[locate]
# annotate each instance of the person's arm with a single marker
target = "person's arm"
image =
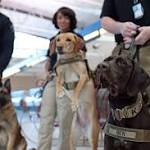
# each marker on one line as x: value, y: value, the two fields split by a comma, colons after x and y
x: 7, y: 45
x: 51, y: 60
x: 111, y: 25
x: 108, y: 17
x: 47, y: 65
x: 51, y: 55
x: 47, y: 69
x: 110, y: 22
x: 127, y: 29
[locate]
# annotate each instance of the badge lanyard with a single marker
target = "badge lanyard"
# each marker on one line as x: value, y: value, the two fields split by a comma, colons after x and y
x: 138, y: 9
x: 135, y: 1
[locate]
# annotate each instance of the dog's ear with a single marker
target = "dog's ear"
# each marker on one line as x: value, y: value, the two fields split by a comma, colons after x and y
x: 52, y: 46
x: 99, y: 80
x: 7, y: 85
x: 79, y: 43
x: 139, y: 81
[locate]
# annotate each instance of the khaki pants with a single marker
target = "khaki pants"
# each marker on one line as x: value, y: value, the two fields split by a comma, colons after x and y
x: 145, y: 63
x: 145, y: 58
x: 49, y: 108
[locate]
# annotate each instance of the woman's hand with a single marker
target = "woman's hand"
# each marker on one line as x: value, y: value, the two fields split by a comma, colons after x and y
x: 128, y: 29
x: 143, y: 36
x: 49, y: 76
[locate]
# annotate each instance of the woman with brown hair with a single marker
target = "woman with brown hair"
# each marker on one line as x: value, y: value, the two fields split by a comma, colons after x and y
x: 65, y: 20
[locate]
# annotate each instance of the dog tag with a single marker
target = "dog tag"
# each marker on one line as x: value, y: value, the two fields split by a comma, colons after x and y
x: 138, y: 11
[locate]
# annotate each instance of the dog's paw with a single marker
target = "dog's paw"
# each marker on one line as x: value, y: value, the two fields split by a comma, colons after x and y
x: 60, y: 93
x: 74, y: 106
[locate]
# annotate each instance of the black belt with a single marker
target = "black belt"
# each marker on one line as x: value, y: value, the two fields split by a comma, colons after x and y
x: 70, y: 85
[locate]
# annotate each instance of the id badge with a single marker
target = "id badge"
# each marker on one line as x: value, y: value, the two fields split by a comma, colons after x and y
x: 138, y: 11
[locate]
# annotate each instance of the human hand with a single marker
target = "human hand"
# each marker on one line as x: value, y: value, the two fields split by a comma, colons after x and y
x: 49, y: 76
x: 143, y: 36
x: 127, y: 41
x: 128, y: 29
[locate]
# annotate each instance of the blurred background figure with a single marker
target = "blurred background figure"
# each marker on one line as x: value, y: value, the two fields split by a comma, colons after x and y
x: 6, y: 42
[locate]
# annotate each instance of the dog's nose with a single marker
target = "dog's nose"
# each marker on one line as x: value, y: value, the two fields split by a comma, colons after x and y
x: 60, y: 49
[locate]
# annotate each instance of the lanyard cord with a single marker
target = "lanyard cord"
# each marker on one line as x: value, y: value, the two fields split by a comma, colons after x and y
x: 135, y: 1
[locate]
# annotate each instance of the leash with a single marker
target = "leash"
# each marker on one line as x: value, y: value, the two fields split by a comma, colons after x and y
x: 134, y: 49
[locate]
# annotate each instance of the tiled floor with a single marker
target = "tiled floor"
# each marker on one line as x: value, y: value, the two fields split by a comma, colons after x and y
x: 30, y: 123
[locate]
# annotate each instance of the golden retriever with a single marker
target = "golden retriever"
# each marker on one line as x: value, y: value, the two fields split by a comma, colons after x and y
x: 74, y: 81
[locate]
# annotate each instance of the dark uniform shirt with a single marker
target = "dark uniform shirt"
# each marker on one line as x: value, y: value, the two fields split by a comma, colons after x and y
x: 121, y: 10
x: 6, y: 41
x: 53, y: 57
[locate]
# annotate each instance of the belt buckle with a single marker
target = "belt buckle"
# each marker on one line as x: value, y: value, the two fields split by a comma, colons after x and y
x: 118, y: 114
x: 70, y: 86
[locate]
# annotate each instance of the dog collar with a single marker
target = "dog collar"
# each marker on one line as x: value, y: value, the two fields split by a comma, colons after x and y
x: 129, y: 111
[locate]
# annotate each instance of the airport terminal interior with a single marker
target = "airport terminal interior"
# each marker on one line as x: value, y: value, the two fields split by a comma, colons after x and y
x: 32, y: 20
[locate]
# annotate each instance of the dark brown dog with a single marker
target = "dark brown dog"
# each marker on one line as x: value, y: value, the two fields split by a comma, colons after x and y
x: 126, y: 81
x: 10, y: 130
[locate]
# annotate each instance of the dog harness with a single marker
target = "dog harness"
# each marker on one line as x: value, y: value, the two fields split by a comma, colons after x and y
x: 70, y: 85
x: 71, y: 58
x: 66, y: 60
x: 128, y: 111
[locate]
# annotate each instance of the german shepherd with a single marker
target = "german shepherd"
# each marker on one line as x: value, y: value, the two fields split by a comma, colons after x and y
x: 10, y: 130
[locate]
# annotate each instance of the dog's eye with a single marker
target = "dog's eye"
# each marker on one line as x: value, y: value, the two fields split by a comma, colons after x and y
x: 120, y: 61
x: 108, y: 58
x: 68, y: 40
x: 3, y: 91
